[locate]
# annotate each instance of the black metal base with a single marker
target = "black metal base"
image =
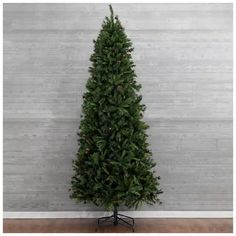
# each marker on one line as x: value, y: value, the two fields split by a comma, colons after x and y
x: 116, y: 219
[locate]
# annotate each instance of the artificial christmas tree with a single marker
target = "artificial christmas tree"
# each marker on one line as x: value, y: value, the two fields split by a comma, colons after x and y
x: 113, y: 166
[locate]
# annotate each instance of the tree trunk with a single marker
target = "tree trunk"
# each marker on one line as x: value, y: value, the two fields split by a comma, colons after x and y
x: 115, y: 216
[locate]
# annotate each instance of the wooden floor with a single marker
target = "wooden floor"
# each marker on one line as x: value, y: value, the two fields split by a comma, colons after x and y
x: 141, y: 226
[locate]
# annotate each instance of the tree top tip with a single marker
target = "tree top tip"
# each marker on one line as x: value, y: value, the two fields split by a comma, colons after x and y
x: 111, y: 10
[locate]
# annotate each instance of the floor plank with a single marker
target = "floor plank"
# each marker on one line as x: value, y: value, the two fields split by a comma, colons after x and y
x: 141, y: 226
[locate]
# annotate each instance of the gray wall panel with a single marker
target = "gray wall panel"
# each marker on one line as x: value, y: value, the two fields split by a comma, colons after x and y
x: 183, y: 56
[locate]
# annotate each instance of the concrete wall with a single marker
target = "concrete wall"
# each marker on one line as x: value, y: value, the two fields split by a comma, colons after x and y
x: 183, y: 56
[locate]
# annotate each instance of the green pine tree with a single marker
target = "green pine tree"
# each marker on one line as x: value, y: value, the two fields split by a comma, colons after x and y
x: 113, y: 166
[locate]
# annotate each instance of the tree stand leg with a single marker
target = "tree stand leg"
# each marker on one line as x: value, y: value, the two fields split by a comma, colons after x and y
x: 116, y: 219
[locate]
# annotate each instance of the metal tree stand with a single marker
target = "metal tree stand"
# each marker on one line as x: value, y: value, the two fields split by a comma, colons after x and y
x: 116, y: 218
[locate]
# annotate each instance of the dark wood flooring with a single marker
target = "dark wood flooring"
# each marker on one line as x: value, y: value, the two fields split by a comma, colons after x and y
x: 141, y: 226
